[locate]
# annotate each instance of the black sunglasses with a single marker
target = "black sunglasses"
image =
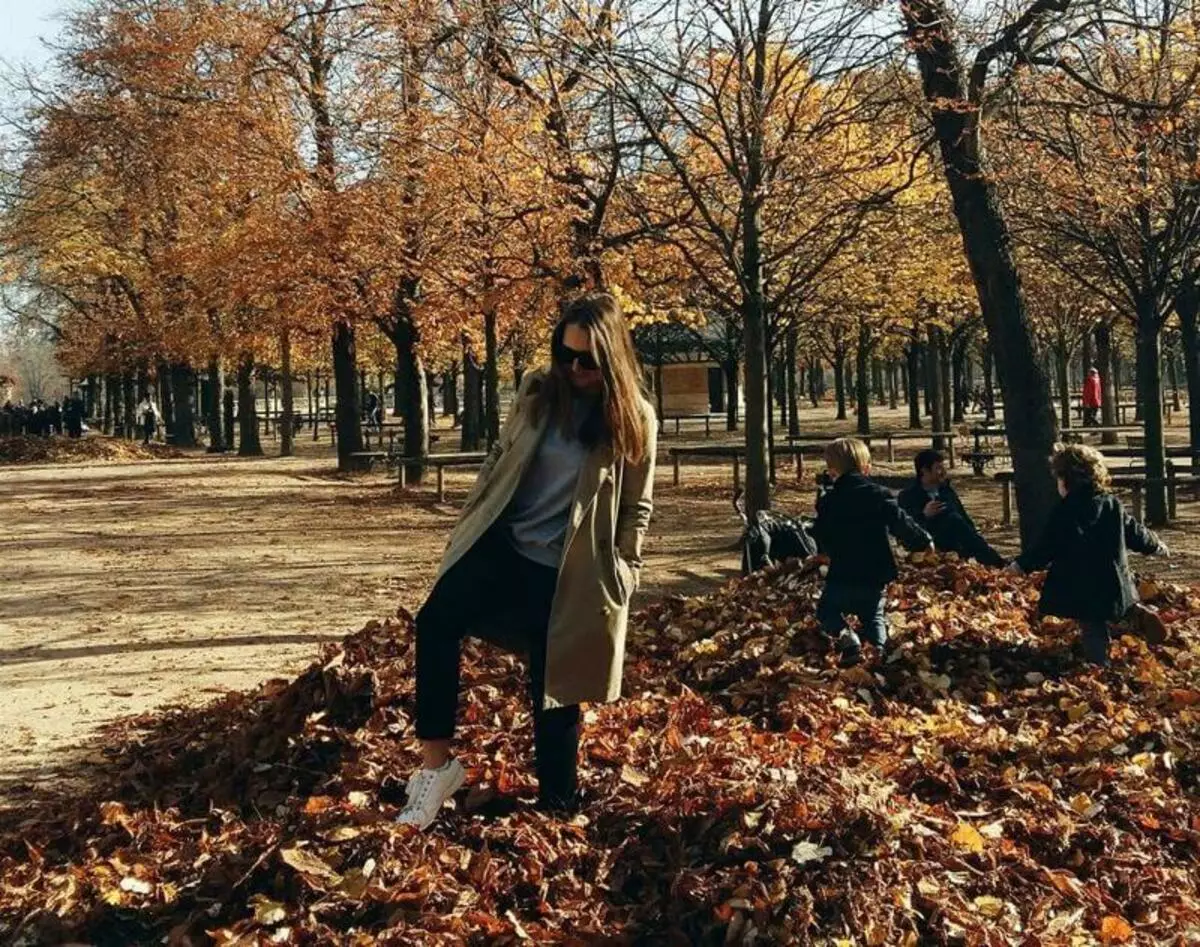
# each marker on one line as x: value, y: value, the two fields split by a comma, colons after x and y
x: 569, y: 356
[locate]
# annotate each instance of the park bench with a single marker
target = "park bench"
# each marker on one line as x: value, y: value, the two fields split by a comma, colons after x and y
x: 707, y: 418
x: 735, y: 453
x: 439, y: 462
x: 947, y: 436
x: 1133, y: 480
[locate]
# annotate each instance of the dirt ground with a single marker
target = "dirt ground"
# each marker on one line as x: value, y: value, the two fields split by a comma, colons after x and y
x: 129, y: 586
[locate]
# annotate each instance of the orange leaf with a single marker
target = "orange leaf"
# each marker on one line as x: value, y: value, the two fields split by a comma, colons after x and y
x: 966, y: 836
x: 1115, y: 930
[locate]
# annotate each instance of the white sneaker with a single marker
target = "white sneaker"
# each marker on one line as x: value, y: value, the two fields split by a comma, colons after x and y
x: 428, y: 789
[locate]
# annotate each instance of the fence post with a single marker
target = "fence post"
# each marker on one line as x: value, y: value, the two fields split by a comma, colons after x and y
x: 675, y: 458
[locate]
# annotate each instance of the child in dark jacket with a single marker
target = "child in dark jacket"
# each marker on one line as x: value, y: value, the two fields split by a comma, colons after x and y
x: 854, y: 517
x: 1084, y: 545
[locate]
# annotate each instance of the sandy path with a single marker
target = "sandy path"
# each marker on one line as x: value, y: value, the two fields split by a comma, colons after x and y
x: 129, y: 586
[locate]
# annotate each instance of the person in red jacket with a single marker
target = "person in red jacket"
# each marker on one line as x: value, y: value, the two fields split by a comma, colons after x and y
x: 1091, y: 397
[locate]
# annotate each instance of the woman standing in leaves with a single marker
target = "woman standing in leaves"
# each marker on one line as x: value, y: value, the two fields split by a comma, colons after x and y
x: 548, y: 550
x: 1084, y: 545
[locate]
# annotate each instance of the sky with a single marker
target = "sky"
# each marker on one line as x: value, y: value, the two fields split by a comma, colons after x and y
x: 21, y: 23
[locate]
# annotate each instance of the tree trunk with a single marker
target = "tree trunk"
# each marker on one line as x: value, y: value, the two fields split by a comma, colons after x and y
x: 109, y: 425
x: 128, y: 407
x: 839, y: 383
x: 249, y: 444
x: 989, y: 389
x: 1187, y: 304
x: 1029, y: 417
x: 491, y: 376
x: 1150, y: 393
x: 411, y: 373
x: 472, y: 420
x: 877, y: 381
x: 1108, y: 381
x: 958, y: 371
x: 912, y: 378
x: 793, y: 395
x: 349, y: 413
x: 934, y: 371
x: 182, y: 378
x: 230, y: 414
x: 772, y: 379
x: 1064, y: 382
x: 450, y: 389
x: 1086, y: 356
x: 89, y: 396
x: 1173, y: 376
x: 893, y: 371
x: 779, y: 390
x: 218, y: 440
x: 944, y: 379
x: 730, y: 369
x: 308, y: 388
x: 861, y: 371
x: 287, y: 443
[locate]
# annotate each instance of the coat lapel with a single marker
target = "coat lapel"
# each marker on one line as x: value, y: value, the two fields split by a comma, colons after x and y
x: 596, y: 469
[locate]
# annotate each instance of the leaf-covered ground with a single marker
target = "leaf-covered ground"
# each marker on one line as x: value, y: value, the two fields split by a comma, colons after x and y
x: 976, y: 786
x: 65, y: 450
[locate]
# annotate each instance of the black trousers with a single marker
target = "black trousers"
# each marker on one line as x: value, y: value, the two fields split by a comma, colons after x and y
x: 494, y: 588
x: 951, y: 533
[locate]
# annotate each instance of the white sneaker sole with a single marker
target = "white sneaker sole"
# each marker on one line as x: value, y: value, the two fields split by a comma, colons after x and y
x: 456, y: 784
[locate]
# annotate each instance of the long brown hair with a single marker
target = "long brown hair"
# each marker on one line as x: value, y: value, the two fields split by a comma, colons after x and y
x: 619, y: 419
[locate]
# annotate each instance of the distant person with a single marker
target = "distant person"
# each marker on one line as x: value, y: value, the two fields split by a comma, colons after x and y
x: 73, y: 415
x: 1084, y: 545
x: 55, y: 418
x: 549, y: 547
x: 374, y: 411
x: 1091, y: 398
x: 854, y: 517
x: 934, y: 504
x: 147, y: 412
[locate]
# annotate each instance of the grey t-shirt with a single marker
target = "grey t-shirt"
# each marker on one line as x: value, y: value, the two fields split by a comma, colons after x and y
x: 541, y: 508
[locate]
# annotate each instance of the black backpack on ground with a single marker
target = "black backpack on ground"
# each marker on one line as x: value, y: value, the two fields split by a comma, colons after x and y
x: 772, y: 538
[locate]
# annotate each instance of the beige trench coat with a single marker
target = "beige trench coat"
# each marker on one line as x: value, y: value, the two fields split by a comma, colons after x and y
x: 602, y: 554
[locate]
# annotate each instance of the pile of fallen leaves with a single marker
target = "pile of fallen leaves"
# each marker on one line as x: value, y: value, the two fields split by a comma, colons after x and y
x: 975, y: 785
x: 67, y: 450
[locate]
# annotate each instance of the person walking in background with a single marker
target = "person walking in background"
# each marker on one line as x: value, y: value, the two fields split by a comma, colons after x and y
x: 1091, y: 398
x: 1084, y: 545
x: 854, y: 517
x: 548, y: 549
x: 148, y: 413
x: 934, y: 505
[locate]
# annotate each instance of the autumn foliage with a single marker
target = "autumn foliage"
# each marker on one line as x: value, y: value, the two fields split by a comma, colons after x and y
x: 977, y: 786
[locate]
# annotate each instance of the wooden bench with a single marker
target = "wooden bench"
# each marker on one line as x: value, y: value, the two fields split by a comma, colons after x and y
x: 707, y: 418
x: 439, y: 462
x: 1134, y: 481
x: 737, y: 452
x: 947, y: 436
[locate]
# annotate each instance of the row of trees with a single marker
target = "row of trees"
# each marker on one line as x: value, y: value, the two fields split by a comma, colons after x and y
x: 204, y: 185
